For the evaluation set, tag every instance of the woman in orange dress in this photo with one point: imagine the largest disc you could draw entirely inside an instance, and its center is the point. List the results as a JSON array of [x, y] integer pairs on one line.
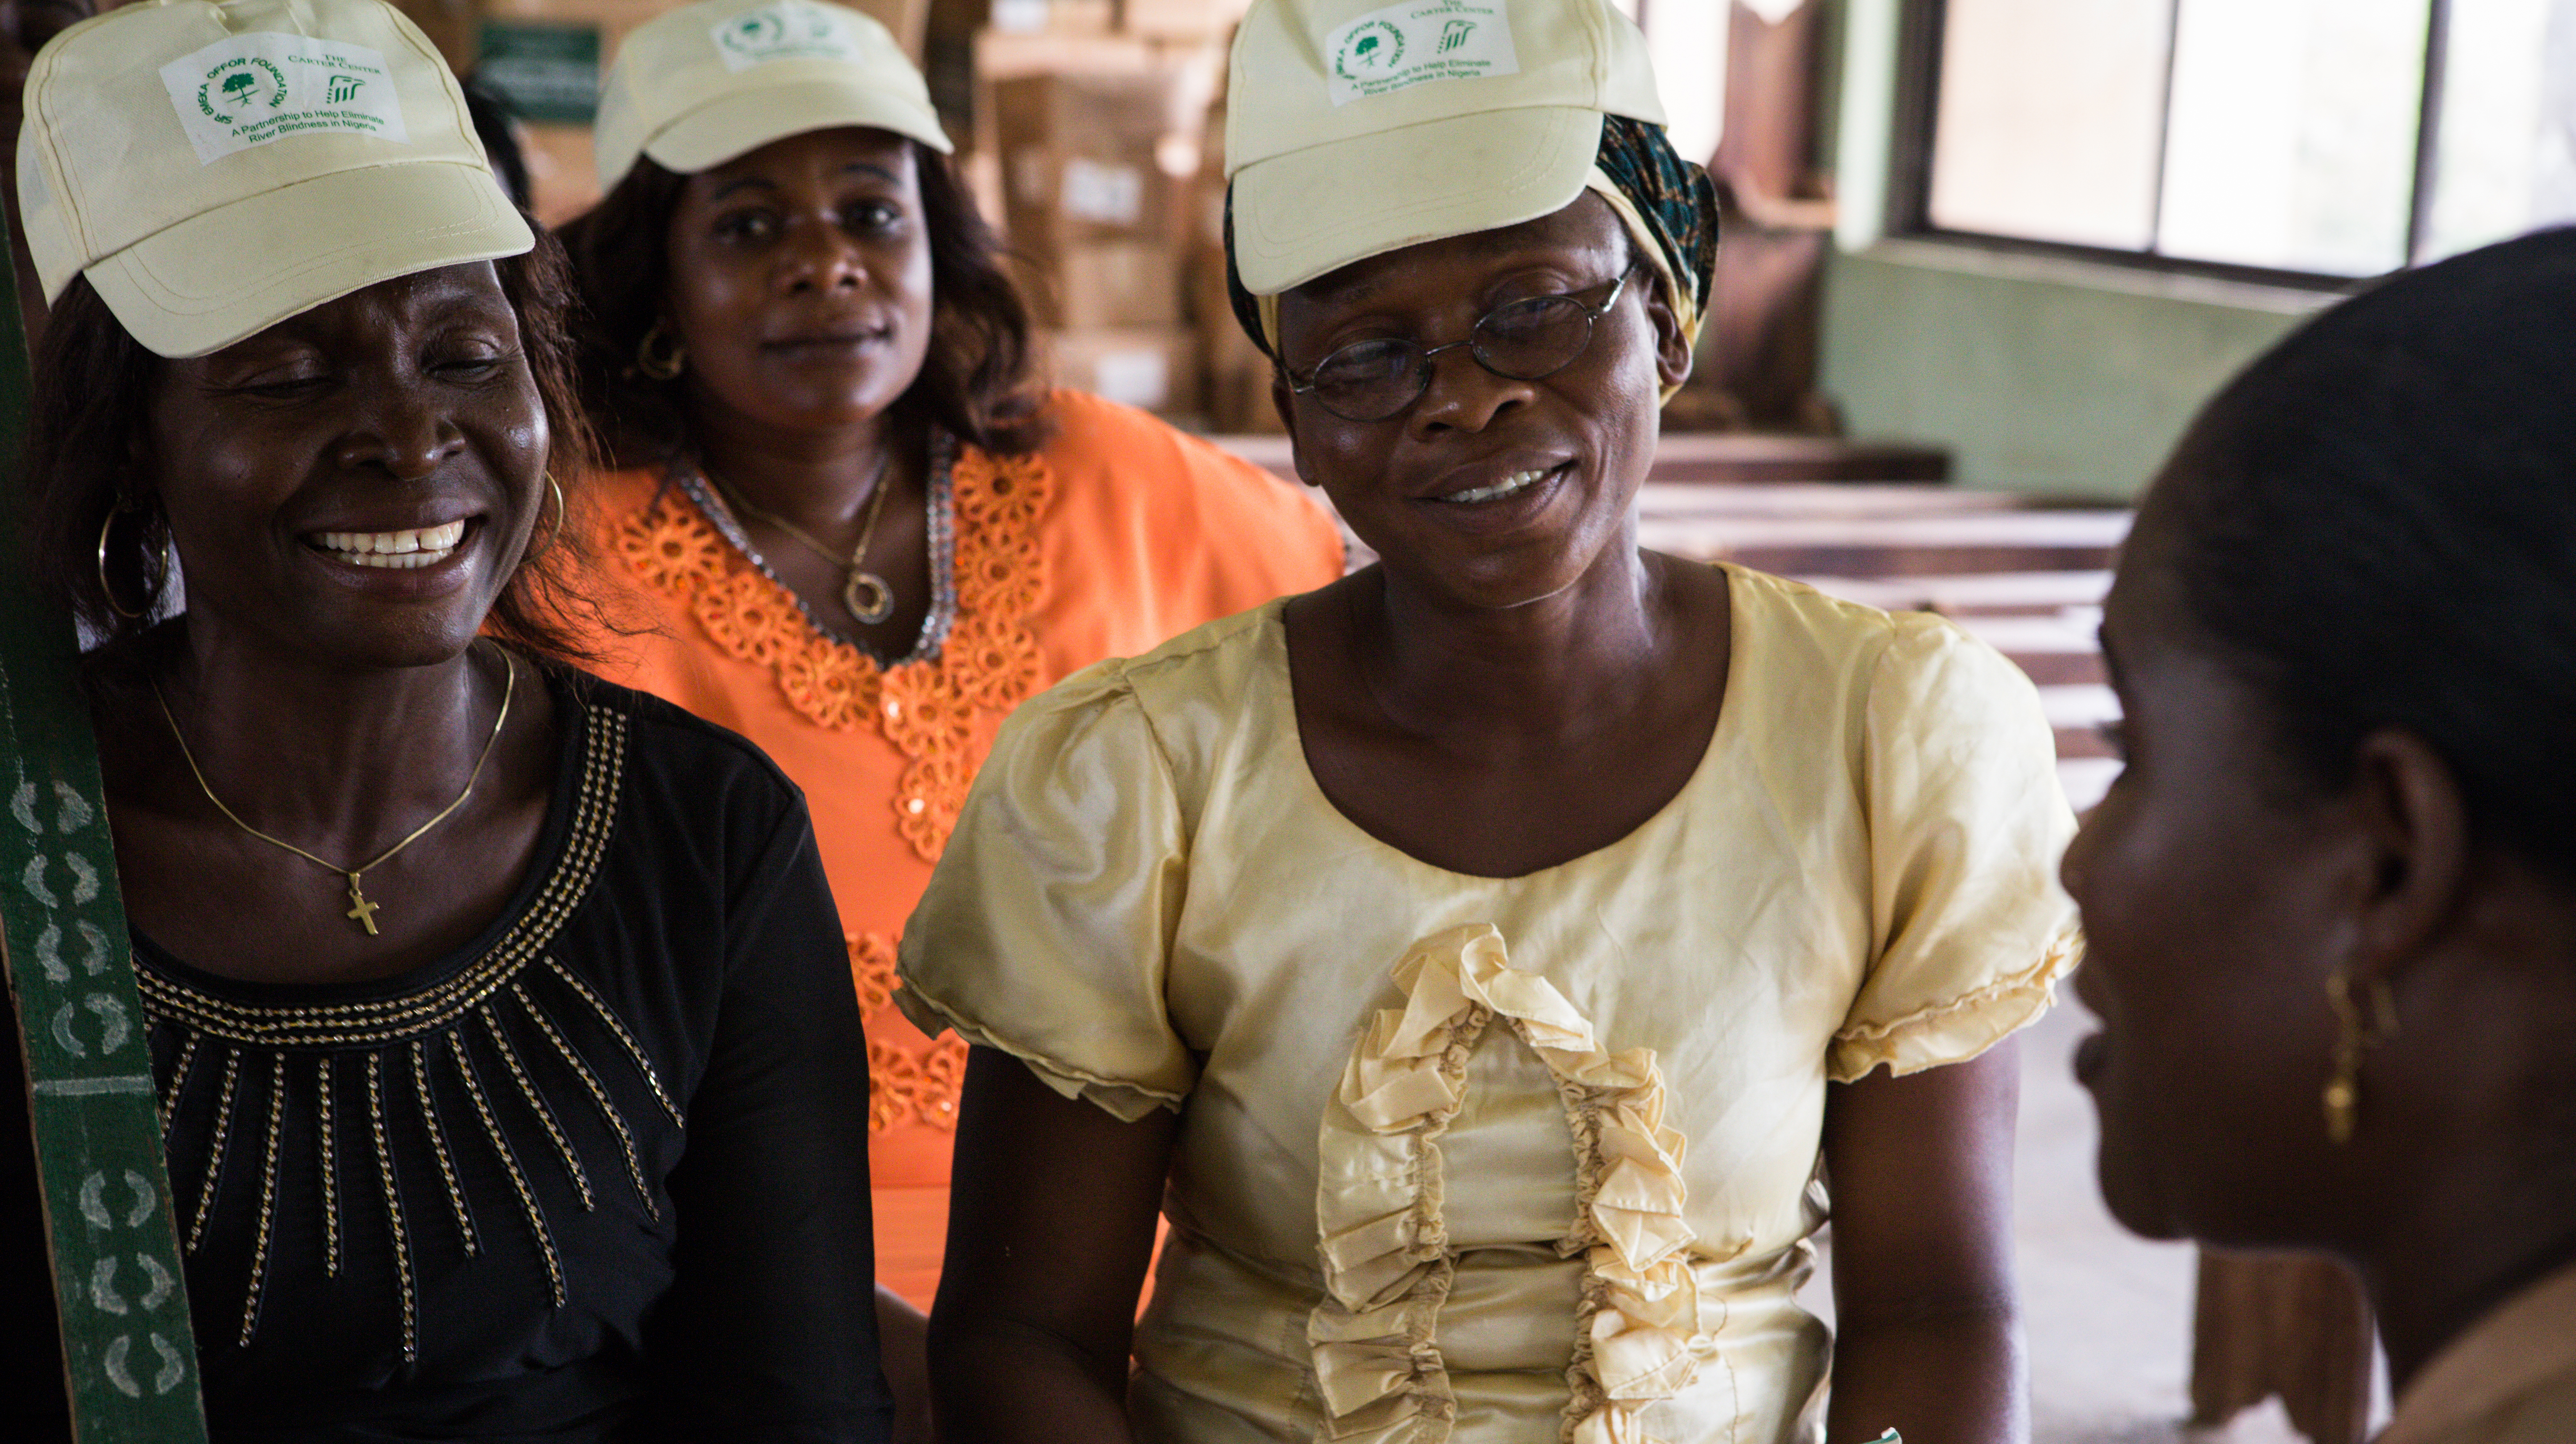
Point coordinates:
[[854, 531]]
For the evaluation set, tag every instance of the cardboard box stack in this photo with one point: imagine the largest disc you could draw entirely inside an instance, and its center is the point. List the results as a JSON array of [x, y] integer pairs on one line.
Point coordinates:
[[1054, 17], [1152, 368], [1184, 20], [1237, 385], [1093, 135], [1088, 205]]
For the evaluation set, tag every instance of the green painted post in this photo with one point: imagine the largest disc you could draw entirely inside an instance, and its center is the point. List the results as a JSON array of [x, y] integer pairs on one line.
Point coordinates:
[[118, 1290]]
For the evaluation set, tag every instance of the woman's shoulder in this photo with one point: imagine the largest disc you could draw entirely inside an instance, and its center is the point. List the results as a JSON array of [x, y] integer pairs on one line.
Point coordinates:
[[1791, 629], [634, 522], [675, 760], [1779, 609], [1085, 428], [1806, 646], [1202, 532], [1178, 696], [1215, 664], [2509, 1378], [614, 494], [1125, 453]]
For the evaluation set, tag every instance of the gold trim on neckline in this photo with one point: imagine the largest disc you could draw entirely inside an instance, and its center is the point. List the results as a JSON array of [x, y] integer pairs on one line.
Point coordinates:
[[438, 1004]]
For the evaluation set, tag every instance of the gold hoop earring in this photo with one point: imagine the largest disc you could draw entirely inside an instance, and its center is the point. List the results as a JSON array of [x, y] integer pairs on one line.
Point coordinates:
[[664, 365], [2354, 1035], [561, 511], [106, 589]]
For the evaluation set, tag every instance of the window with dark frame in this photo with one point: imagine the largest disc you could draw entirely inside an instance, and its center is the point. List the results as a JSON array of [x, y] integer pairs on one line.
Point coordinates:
[[2310, 142]]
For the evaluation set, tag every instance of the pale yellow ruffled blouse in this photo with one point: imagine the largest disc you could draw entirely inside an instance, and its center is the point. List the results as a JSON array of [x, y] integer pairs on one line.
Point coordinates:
[[1483, 1159]]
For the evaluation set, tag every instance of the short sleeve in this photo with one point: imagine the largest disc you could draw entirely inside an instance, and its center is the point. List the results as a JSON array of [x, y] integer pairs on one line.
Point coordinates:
[[1046, 928], [1966, 824]]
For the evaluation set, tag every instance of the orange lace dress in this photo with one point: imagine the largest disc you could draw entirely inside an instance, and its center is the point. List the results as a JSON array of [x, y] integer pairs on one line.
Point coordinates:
[[1119, 533]]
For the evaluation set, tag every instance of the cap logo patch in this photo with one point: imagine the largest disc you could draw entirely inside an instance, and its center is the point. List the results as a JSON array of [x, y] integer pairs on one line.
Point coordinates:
[[249, 90], [1402, 46], [786, 30]]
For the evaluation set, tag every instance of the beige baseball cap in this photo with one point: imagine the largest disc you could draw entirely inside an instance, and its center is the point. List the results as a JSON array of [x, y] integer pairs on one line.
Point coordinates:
[[1354, 127], [215, 168], [708, 82]]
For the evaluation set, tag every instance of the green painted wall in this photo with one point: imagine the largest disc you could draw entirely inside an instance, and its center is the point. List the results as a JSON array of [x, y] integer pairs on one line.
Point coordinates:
[[2038, 385]]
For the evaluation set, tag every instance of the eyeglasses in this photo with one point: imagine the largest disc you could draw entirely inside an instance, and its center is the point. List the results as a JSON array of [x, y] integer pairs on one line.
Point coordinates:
[[1519, 341]]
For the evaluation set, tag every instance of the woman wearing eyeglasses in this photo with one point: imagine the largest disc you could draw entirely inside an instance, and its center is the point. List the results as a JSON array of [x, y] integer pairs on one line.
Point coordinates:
[[860, 530], [1477, 959]]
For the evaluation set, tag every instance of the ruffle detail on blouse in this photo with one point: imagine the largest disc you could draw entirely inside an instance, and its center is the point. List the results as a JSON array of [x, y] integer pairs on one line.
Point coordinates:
[[1641, 1333], [1957, 1029], [933, 709]]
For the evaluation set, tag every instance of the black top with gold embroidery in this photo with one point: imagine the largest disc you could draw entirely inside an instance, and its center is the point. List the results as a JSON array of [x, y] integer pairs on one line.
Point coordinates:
[[601, 1174]]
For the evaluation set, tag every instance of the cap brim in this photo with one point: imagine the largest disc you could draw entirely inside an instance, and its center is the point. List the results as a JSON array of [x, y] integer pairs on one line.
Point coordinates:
[[237, 270], [739, 124], [1311, 212]]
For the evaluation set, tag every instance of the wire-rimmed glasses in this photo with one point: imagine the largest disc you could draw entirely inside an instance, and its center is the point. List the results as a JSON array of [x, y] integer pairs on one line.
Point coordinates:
[[1522, 340]]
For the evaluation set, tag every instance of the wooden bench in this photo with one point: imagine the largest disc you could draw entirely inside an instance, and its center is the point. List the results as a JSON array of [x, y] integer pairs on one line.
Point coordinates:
[[2027, 578]]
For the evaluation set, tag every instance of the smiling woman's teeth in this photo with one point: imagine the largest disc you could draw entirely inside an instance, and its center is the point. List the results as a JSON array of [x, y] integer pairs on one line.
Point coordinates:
[[1503, 488], [419, 547]]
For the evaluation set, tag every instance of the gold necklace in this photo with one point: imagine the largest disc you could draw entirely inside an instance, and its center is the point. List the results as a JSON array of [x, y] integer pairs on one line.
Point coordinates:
[[860, 582], [361, 911]]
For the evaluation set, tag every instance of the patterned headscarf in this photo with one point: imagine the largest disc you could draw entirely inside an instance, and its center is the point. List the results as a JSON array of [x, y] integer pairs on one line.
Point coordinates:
[[1668, 205]]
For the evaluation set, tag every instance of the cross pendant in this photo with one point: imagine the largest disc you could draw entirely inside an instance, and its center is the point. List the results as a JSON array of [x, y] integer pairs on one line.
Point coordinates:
[[361, 911]]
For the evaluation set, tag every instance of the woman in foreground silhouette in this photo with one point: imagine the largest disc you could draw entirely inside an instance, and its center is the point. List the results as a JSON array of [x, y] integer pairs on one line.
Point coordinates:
[[2332, 900]]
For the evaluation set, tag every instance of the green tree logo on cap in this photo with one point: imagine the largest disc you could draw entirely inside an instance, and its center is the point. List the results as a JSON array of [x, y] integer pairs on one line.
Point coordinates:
[[788, 30], [1372, 50], [240, 85], [754, 34]]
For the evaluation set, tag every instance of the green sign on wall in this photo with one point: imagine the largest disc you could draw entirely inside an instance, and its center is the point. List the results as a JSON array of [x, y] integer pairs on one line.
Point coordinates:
[[545, 73]]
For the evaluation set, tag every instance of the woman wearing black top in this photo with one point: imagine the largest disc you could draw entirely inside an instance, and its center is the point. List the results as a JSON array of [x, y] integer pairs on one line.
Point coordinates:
[[512, 1079]]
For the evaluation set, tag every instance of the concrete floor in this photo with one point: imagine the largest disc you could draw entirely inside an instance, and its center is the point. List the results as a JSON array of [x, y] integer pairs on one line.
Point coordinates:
[[2108, 1314]]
